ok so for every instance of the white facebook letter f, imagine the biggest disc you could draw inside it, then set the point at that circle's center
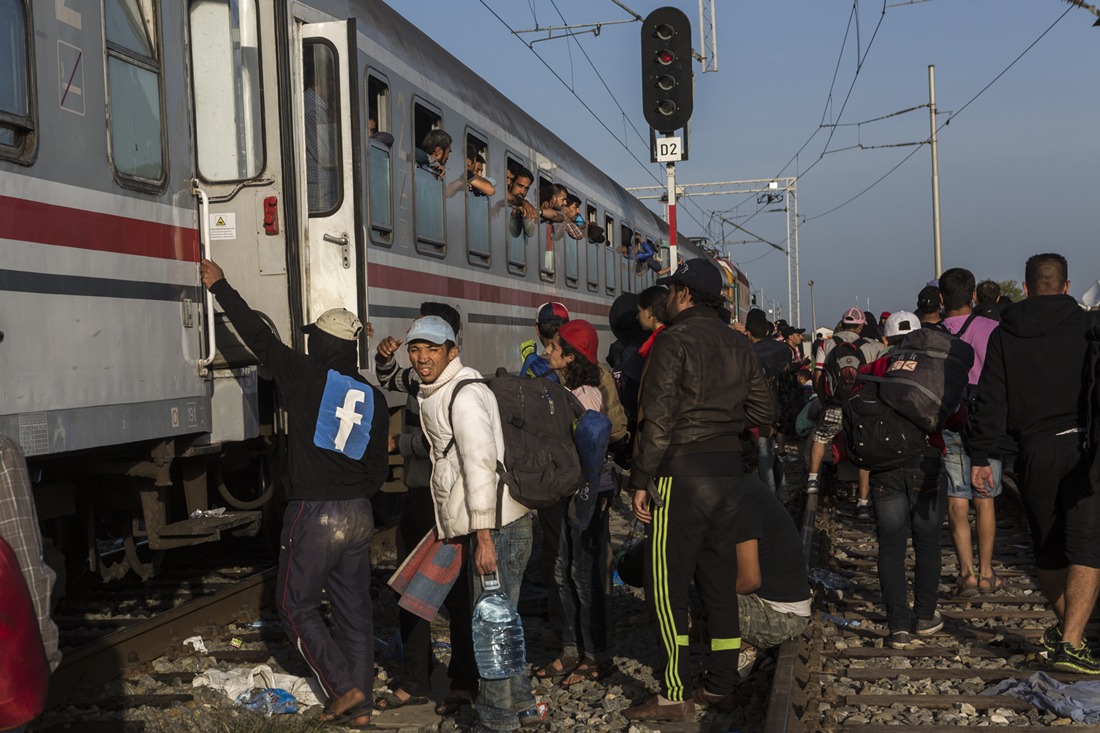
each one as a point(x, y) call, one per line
point(348, 416)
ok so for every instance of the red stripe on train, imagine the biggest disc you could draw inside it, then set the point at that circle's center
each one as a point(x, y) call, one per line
point(31, 221)
point(388, 277)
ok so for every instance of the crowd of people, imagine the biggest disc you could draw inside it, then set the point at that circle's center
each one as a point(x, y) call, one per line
point(698, 414)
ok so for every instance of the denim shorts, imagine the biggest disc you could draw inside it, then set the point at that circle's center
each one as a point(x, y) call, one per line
point(957, 464)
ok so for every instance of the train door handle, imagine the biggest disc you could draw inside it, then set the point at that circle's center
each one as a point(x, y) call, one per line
point(345, 247)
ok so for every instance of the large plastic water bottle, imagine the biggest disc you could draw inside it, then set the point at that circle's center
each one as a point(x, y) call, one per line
point(498, 634)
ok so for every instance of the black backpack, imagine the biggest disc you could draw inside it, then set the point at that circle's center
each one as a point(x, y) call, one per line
point(841, 369)
point(927, 377)
point(878, 437)
point(1092, 402)
point(541, 466)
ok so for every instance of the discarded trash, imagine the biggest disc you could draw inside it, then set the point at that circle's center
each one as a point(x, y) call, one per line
point(236, 643)
point(544, 710)
point(838, 621)
point(268, 701)
point(216, 512)
point(197, 643)
point(828, 579)
point(263, 623)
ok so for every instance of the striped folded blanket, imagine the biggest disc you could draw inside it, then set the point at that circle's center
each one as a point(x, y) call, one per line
point(425, 577)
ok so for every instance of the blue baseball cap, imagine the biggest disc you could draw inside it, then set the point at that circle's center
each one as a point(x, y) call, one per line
point(432, 329)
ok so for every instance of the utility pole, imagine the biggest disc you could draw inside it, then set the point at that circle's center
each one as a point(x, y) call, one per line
point(813, 309)
point(938, 254)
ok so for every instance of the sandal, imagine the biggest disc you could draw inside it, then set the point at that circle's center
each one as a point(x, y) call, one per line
point(391, 701)
point(964, 587)
point(358, 718)
point(589, 672)
point(991, 583)
point(549, 671)
point(452, 704)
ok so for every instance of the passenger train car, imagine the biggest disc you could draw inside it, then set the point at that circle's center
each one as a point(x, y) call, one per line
point(137, 136)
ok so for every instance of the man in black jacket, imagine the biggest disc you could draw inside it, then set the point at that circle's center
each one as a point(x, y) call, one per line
point(338, 435)
point(701, 384)
point(1032, 382)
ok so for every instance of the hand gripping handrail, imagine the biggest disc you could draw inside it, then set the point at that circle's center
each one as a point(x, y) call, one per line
point(204, 253)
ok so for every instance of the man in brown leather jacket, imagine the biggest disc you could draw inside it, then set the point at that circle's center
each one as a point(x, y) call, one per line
point(702, 385)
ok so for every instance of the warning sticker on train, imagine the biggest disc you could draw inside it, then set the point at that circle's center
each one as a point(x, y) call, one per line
point(223, 226)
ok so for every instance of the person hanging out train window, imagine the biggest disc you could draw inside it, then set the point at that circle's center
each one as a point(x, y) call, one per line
point(431, 166)
point(551, 200)
point(478, 189)
point(15, 103)
point(574, 226)
point(611, 255)
point(225, 58)
point(133, 91)
point(522, 215)
point(592, 247)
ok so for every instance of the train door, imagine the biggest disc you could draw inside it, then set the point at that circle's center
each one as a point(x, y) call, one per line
point(334, 274)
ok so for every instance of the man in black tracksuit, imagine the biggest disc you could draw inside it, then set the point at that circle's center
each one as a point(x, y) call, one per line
point(338, 435)
point(701, 385)
point(1033, 382)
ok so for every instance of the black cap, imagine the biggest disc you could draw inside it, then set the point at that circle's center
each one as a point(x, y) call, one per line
point(697, 273)
point(788, 331)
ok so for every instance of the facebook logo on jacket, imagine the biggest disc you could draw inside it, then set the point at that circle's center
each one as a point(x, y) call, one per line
point(344, 418)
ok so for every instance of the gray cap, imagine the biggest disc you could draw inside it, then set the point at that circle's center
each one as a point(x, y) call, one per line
point(337, 322)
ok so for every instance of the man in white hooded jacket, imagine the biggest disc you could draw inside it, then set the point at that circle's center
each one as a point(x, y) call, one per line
point(464, 489)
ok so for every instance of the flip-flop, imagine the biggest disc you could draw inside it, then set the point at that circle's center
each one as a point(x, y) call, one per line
point(589, 672)
point(391, 701)
point(348, 718)
point(452, 704)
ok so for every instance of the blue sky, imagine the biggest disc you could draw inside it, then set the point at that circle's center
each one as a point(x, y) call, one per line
point(1018, 166)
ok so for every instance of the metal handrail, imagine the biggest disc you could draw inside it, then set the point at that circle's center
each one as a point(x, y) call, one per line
point(204, 253)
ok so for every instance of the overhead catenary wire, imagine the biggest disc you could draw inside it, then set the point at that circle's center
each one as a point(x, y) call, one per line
point(583, 104)
point(946, 122)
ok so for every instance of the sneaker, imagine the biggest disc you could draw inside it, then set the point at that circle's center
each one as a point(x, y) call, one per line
point(899, 639)
point(931, 626)
point(813, 485)
point(1077, 659)
point(1052, 637)
point(863, 512)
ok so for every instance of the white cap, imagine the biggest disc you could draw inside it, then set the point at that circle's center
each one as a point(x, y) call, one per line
point(900, 323)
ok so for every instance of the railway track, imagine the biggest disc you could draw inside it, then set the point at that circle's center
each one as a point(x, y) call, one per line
point(840, 677)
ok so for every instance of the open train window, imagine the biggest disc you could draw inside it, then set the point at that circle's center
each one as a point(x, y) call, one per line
point(478, 190)
point(611, 254)
point(520, 215)
point(380, 161)
point(592, 248)
point(17, 139)
point(225, 56)
point(137, 145)
point(626, 236)
point(548, 191)
point(433, 146)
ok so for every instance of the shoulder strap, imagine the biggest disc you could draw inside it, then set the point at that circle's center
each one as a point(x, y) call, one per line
point(451, 409)
point(966, 324)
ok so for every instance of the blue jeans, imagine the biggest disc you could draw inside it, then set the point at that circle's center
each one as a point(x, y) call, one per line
point(499, 701)
point(957, 464)
point(580, 575)
point(326, 546)
point(770, 467)
point(909, 501)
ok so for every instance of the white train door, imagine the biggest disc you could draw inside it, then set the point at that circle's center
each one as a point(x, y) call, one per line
point(327, 119)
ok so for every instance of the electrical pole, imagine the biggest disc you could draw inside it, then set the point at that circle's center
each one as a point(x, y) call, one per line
point(813, 309)
point(938, 254)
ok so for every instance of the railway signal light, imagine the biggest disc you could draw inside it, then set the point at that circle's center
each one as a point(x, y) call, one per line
point(666, 69)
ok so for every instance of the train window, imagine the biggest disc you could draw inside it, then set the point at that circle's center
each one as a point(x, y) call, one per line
point(225, 57)
point(521, 215)
point(593, 250)
point(133, 90)
point(611, 254)
point(324, 182)
point(478, 190)
point(380, 194)
point(630, 268)
point(547, 191)
point(16, 124)
point(428, 177)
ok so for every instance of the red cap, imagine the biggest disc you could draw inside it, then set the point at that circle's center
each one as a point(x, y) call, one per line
point(581, 336)
point(884, 315)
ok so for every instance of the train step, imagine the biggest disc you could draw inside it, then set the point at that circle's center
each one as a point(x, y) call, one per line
point(203, 526)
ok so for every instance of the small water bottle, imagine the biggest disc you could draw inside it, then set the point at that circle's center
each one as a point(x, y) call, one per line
point(498, 634)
